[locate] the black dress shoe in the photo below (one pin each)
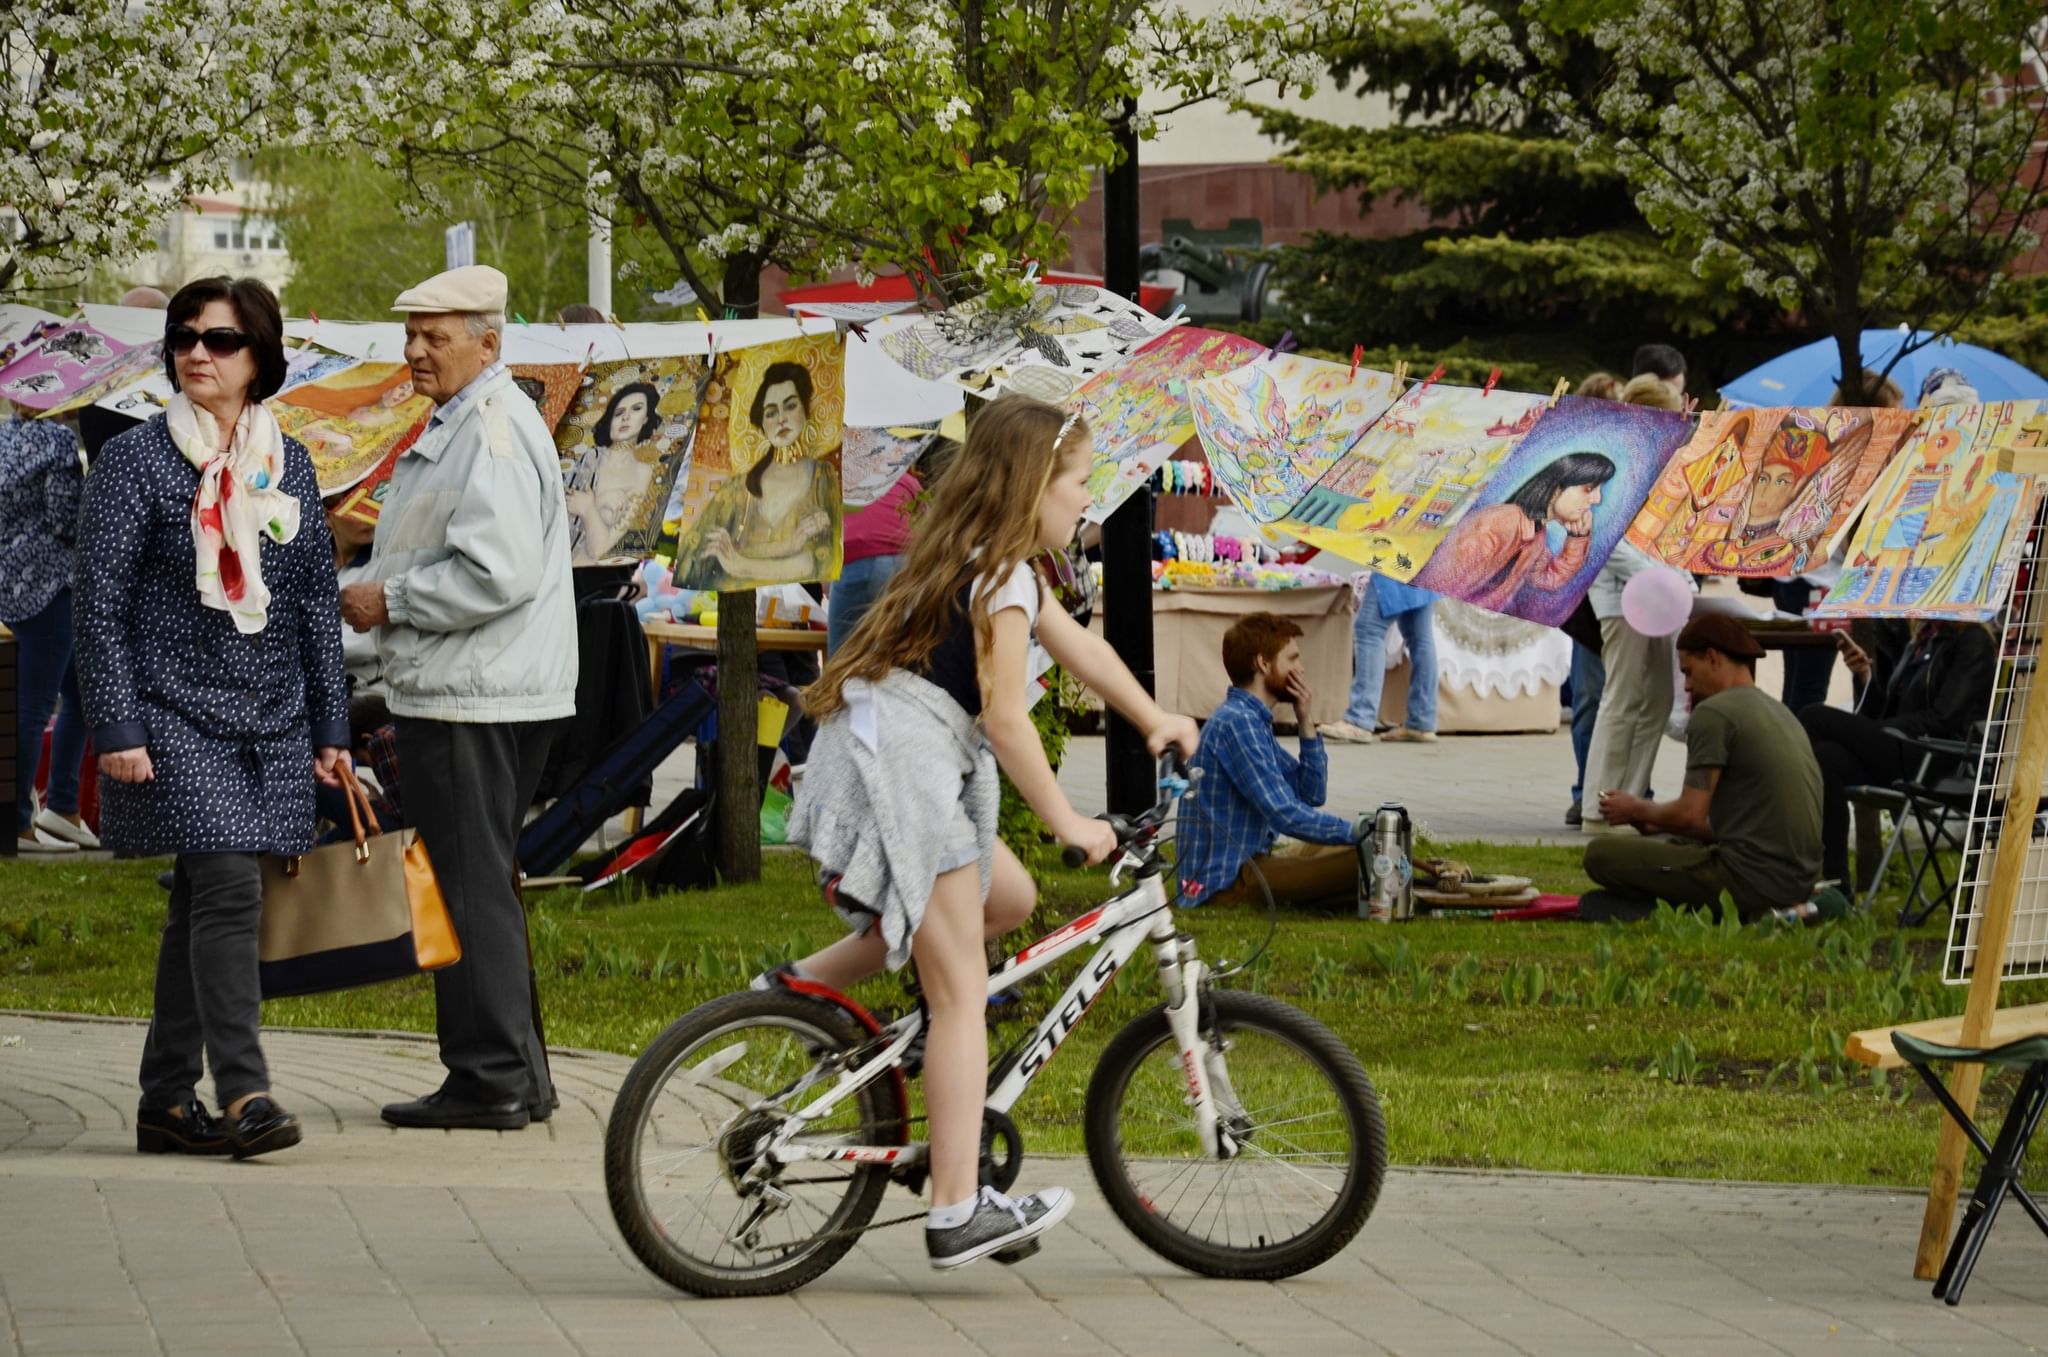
(445, 1112)
(191, 1130)
(262, 1127)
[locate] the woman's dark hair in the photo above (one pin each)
(257, 315)
(604, 426)
(797, 375)
(1574, 468)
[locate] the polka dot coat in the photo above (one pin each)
(230, 721)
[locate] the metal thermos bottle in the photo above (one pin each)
(1390, 886)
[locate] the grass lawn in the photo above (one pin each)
(1674, 1047)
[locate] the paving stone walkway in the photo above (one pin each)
(366, 1240)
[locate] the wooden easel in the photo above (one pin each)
(1994, 935)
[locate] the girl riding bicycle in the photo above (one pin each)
(916, 711)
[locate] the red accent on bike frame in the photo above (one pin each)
(796, 984)
(1060, 935)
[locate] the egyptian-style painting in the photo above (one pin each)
(1938, 537)
(1273, 427)
(1399, 490)
(763, 503)
(351, 420)
(1138, 411)
(1045, 348)
(625, 443)
(70, 361)
(1765, 492)
(1555, 508)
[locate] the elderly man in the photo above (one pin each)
(475, 620)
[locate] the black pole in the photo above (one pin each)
(1127, 533)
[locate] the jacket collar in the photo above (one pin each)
(461, 408)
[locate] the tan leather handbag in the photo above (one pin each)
(353, 914)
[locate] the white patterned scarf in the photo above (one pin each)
(239, 502)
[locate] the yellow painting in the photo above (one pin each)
(352, 420)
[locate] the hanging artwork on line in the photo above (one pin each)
(625, 444)
(1138, 411)
(351, 420)
(1273, 427)
(1554, 509)
(552, 387)
(1398, 491)
(114, 375)
(1765, 492)
(1045, 348)
(67, 362)
(872, 460)
(1944, 524)
(763, 503)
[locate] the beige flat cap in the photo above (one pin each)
(479, 287)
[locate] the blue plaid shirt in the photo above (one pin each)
(1250, 790)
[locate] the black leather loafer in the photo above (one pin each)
(262, 1127)
(440, 1111)
(191, 1129)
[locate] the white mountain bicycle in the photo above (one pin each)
(1232, 1133)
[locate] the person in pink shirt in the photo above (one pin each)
(877, 540)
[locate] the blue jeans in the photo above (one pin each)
(1589, 678)
(43, 645)
(859, 585)
(1369, 663)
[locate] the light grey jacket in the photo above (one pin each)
(473, 548)
(1625, 564)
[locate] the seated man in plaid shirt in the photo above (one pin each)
(1251, 790)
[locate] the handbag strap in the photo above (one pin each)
(359, 812)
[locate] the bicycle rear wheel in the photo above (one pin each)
(689, 1123)
(1313, 1148)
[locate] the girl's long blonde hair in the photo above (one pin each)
(982, 523)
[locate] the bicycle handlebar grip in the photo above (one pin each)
(1074, 856)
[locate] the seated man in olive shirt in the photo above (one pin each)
(1748, 820)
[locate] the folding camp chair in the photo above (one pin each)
(1935, 799)
(2002, 1158)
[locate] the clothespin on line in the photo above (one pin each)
(1436, 374)
(1283, 344)
(1179, 310)
(1400, 371)
(1718, 409)
(519, 318)
(1492, 380)
(1357, 357)
(1564, 384)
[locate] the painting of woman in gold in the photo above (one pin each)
(777, 522)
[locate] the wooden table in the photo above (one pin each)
(664, 634)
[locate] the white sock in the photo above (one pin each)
(950, 1217)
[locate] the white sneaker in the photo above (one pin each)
(57, 827)
(36, 841)
(1345, 733)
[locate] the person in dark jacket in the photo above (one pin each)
(209, 657)
(1938, 688)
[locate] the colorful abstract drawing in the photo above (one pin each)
(69, 360)
(872, 460)
(1944, 525)
(1046, 348)
(1390, 500)
(352, 419)
(552, 387)
(1765, 492)
(1138, 411)
(1273, 427)
(1555, 508)
(625, 443)
(762, 505)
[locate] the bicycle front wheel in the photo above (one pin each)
(1312, 1148)
(692, 1121)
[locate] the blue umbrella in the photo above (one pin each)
(1807, 375)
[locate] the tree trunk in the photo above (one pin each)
(1848, 333)
(739, 780)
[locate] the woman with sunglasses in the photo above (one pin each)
(209, 655)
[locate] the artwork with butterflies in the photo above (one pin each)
(68, 361)
(1045, 348)
(1765, 492)
(1273, 427)
(1945, 525)
(1400, 490)
(1138, 411)
(872, 460)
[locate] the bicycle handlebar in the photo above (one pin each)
(1175, 779)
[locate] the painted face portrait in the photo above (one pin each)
(627, 418)
(782, 415)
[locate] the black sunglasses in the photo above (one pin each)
(180, 339)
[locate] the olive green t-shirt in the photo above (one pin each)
(1766, 807)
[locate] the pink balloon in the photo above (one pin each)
(1657, 601)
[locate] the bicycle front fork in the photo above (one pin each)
(1183, 978)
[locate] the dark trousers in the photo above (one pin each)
(1850, 749)
(208, 997)
(467, 787)
(1808, 669)
(43, 648)
(1589, 680)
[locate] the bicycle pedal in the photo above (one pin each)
(1016, 1253)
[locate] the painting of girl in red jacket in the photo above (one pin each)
(1499, 551)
